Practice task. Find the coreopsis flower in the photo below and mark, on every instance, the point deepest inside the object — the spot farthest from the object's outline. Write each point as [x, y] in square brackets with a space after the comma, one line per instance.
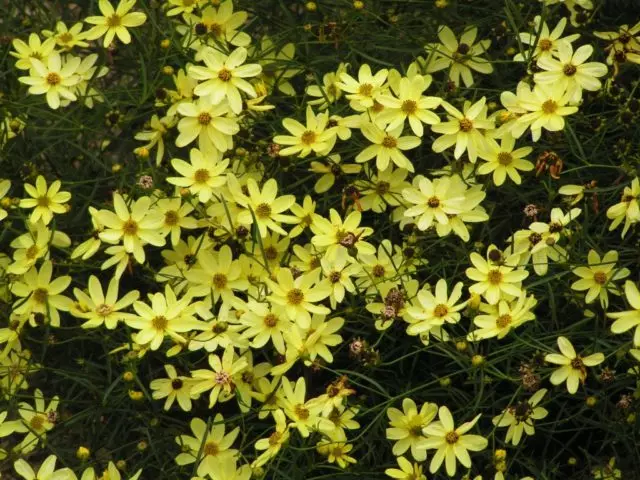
[224, 76]
[40, 294]
[571, 72]
[407, 425]
[220, 379]
[304, 414]
[338, 272]
[133, 227]
[36, 420]
[88, 72]
[625, 321]
[335, 447]
[35, 49]
[387, 146]
[45, 201]
[407, 470]
[34, 245]
[547, 106]
[362, 92]
[114, 22]
[498, 320]
[520, 418]
[175, 387]
[382, 189]
[55, 78]
[608, 471]
[277, 66]
[265, 323]
[335, 234]
[574, 6]
[330, 90]
[624, 45]
[331, 168]
[452, 444]
[47, 470]
[217, 274]
[384, 267]
[5, 185]
[545, 42]
[176, 217]
[493, 279]
[410, 105]
[599, 277]
[628, 209]
[299, 296]
[110, 473]
[573, 367]
[15, 367]
[203, 176]
[435, 309]
[207, 122]
[502, 160]
[177, 7]
[154, 136]
[67, 38]
[304, 216]
[433, 201]
[463, 129]
[271, 446]
[460, 57]
[98, 309]
[208, 446]
[316, 136]
[223, 25]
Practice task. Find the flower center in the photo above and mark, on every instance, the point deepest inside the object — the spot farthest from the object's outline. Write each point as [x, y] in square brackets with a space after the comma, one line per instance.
[451, 437]
[301, 412]
[44, 201]
[271, 252]
[415, 430]
[40, 295]
[204, 118]
[130, 227]
[549, 107]
[211, 448]
[378, 271]
[577, 364]
[600, 278]
[222, 378]
[463, 48]
[433, 202]
[494, 277]
[503, 321]
[159, 322]
[224, 75]
[505, 158]
[176, 384]
[534, 238]
[219, 327]
[365, 89]
[569, 70]
[216, 29]
[201, 175]
[308, 137]
[545, 44]
[389, 142]
[113, 21]
[219, 281]
[270, 320]
[37, 422]
[466, 125]
[171, 218]
[274, 438]
[263, 210]
[334, 277]
[32, 252]
[295, 296]
[409, 107]
[65, 37]
[53, 78]
[103, 309]
[382, 188]
[522, 411]
[441, 310]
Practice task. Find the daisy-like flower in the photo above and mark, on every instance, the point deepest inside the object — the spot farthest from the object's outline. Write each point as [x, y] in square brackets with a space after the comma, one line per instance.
[98, 309]
[158, 128]
[304, 414]
[55, 78]
[298, 296]
[625, 44]
[547, 107]
[67, 38]
[338, 272]
[520, 418]
[599, 277]
[435, 310]
[493, 279]
[382, 189]
[573, 368]
[207, 122]
[221, 378]
[175, 387]
[47, 470]
[452, 445]
[503, 160]
[35, 49]
[464, 129]
[410, 105]
[460, 57]
[222, 26]
[37, 420]
[330, 90]
[166, 316]
[114, 22]
[177, 7]
[224, 76]
[499, 320]
[40, 294]
[406, 427]
[625, 321]
[304, 216]
[335, 447]
[203, 176]
[628, 209]
[271, 446]
[262, 207]
[265, 322]
[330, 169]
[5, 185]
[176, 217]
[34, 245]
[433, 201]
[315, 136]
[88, 72]
[134, 228]
[335, 234]
[407, 470]
[45, 201]
[387, 146]
[208, 446]
[277, 66]
[217, 274]
[571, 72]
[574, 6]
[362, 92]
[110, 473]
[545, 42]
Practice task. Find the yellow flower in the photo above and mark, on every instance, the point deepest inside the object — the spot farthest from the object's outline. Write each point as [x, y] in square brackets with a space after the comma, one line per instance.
[304, 139]
[221, 378]
[216, 274]
[55, 78]
[35, 49]
[362, 92]
[304, 216]
[134, 228]
[494, 280]
[177, 7]
[36, 421]
[33, 245]
[382, 189]
[338, 272]
[331, 170]
[265, 322]
[503, 160]
[573, 368]
[547, 106]
[222, 24]
[41, 295]
[627, 209]
[203, 176]
[407, 470]
[67, 38]
[176, 217]
[336, 234]
[114, 22]
[98, 308]
[624, 45]
[387, 146]
[47, 201]
[335, 447]
[460, 57]
[224, 77]
[47, 470]
[330, 91]
[498, 320]
[545, 43]
[277, 65]
[451, 443]
[520, 418]
[435, 310]
[207, 122]
[275, 442]
[173, 388]
[407, 425]
[158, 127]
[630, 318]
[599, 277]
[433, 201]
[304, 414]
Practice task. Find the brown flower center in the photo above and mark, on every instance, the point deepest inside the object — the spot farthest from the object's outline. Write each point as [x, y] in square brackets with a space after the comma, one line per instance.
[409, 107]
[201, 175]
[37, 422]
[171, 218]
[222, 378]
[334, 277]
[503, 321]
[103, 309]
[378, 271]
[301, 412]
[130, 227]
[451, 437]
[211, 448]
[441, 310]
[569, 70]
[44, 201]
[494, 277]
[53, 78]
[600, 278]
[505, 158]
[159, 322]
[295, 296]
[32, 252]
[389, 142]
[274, 438]
[176, 384]
[204, 118]
[40, 295]
[433, 202]
[463, 49]
[65, 37]
[219, 281]
[114, 20]
[549, 107]
[270, 320]
[365, 89]
[225, 75]
[308, 137]
[466, 125]
[577, 364]
[545, 44]
[263, 210]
